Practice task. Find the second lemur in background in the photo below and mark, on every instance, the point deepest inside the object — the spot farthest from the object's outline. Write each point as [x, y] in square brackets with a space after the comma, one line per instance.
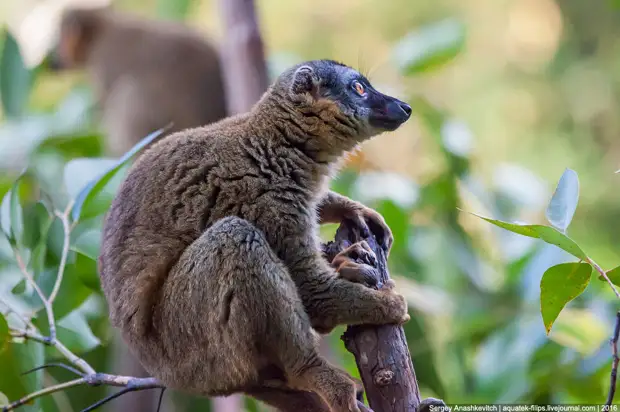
[146, 74]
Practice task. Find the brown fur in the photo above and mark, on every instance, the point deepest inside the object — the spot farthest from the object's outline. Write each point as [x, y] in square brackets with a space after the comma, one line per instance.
[211, 262]
[146, 74]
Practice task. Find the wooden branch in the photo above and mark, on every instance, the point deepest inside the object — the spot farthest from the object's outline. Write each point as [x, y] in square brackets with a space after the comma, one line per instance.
[381, 352]
[129, 383]
[615, 361]
[243, 57]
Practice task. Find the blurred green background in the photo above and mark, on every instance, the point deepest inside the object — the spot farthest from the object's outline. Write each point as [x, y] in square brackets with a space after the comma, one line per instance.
[506, 95]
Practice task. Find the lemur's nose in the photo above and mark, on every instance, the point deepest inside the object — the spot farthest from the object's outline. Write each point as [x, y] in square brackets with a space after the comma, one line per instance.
[405, 107]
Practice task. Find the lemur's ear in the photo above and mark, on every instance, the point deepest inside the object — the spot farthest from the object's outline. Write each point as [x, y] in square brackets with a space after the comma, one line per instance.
[305, 80]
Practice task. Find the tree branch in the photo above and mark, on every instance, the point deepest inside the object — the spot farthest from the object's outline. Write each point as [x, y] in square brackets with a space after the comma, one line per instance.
[46, 391]
[243, 57]
[381, 352]
[616, 360]
[95, 379]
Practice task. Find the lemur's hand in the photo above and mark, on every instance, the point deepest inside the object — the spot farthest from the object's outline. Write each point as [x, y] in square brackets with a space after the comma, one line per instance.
[369, 221]
[357, 264]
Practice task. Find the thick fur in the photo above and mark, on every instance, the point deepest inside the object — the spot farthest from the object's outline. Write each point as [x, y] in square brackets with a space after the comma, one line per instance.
[211, 262]
[146, 74]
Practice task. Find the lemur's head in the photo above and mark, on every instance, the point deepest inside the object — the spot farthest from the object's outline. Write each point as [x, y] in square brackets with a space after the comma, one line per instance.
[342, 98]
[79, 28]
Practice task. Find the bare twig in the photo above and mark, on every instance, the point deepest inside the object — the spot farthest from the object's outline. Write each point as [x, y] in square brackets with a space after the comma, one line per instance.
[95, 379]
[57, 365]
[64, 218]
[614, 365]
[70, 356]
[46, 391]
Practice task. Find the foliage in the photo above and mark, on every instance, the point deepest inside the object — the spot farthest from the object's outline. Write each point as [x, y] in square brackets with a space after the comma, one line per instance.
[564, 282]
[478, 332]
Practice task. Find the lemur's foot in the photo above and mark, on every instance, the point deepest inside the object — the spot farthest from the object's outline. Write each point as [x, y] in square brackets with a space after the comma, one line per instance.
[357, 264]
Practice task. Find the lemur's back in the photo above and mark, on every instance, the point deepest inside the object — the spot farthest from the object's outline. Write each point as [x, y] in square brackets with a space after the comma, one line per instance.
[163, 205]
[182, 186]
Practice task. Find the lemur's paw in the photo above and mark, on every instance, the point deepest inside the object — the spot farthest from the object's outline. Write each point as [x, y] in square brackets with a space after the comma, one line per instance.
[357, 264]
[370, 221]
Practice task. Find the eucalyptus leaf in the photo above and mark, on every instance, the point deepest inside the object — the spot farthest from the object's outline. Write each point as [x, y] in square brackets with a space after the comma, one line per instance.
[75, 333]
[4, 333]
[546, 233]
[11, 210]
[88, 243]
[91, 200]
[564, 201]
[613, 275]
[430, 47]
[559, 285]
[79, 172]
[15, 360]
[37, 220]
[15, 78]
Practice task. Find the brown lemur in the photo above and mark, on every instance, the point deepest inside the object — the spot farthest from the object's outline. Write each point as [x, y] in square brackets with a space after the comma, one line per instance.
[145, 73]
[211, 261]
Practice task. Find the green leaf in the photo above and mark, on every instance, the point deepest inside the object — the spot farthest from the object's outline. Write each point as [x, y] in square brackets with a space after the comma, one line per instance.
[75, 333]
[19, 288]
[546, 233]
[564, 201]
[15, 360]
[86, 271]
[37, 220]
[15, 79]
[12, 213]
[613, 275]
[559, 285]
[92, 200]
[88, 243]
[79, 172]
[4, 333]
[72, 291]
[430, 47]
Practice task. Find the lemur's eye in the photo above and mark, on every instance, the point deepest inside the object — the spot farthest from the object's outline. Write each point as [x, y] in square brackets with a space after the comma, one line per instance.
[359, 88]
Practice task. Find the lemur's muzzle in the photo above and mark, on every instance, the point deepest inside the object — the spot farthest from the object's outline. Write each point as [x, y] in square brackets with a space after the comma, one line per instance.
[391, 115]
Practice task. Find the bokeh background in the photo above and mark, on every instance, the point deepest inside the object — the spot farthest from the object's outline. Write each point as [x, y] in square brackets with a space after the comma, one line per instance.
[506, 95]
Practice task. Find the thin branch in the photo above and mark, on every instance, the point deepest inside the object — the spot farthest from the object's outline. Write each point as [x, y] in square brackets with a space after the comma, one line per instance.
[57, 365]
[22, 267]
[604, 275]
[616, 360]
[64, 218]
[128, 382]
[70, 356]
[161, 397]
[46, 391]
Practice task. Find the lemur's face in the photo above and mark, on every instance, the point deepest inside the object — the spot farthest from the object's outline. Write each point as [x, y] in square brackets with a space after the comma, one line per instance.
[362, 102]
[359, 105]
